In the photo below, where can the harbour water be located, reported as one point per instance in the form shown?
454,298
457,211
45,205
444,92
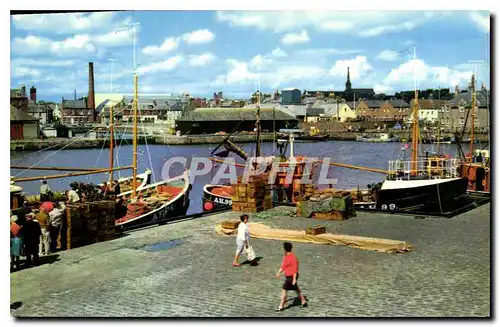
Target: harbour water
374,155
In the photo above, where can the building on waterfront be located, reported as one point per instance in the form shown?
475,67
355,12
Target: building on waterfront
428,111
213,120
77,112
42,110
19,99
291,96
396,110
336,111
23,125
368,110
299,111
83,110
454,114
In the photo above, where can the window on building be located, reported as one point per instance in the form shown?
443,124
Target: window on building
150,106
461,109
462,120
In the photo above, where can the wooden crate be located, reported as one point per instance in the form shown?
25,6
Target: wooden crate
315,230
333,215
231,224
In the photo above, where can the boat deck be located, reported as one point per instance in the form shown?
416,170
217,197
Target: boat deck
184,269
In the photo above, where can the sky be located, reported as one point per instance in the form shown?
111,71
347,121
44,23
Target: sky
202,52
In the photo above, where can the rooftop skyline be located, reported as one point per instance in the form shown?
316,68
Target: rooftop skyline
202,52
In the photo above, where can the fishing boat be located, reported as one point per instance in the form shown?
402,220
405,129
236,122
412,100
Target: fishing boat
475,166
382,137
301,135
156,202
432,184
217,197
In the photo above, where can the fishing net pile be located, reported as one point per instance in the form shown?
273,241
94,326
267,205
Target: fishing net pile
258,230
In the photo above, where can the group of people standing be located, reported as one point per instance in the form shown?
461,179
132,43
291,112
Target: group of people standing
35,234
289,265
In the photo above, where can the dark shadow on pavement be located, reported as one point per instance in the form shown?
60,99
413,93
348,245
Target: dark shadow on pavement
47,259
295,302
15,305
254,262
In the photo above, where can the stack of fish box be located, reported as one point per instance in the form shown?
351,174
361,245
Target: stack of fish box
88,223
254,196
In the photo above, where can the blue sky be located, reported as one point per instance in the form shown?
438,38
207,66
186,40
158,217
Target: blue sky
202,52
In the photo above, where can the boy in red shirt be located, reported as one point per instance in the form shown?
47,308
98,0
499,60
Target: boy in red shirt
290,268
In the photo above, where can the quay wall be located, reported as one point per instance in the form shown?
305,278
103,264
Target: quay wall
67,143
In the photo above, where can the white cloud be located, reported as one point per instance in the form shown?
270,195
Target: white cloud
279,53
273,75
114,38
166,65
362,23
437,75
482,21
201,60
198,37
357,67
170,44
63,23
78,45
408,26
294,38
380,88
19,71
42,63
388,55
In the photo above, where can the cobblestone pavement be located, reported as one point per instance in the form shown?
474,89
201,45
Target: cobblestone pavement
447,274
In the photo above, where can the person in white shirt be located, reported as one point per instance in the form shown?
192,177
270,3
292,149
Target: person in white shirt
242,239
73,196
56,217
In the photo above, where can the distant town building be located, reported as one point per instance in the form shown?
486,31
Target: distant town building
18,98
43,111
83,110
23,125
291,96
213,120
368,110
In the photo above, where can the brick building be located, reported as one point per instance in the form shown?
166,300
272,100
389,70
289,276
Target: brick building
83,110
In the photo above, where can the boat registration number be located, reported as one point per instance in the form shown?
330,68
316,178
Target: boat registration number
223,201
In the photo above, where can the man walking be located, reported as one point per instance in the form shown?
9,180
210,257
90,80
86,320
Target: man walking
242,239
31,233
290,268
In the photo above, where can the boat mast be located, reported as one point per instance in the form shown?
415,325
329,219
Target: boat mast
439,121
473,85
414,153
111,144
134,175
257,123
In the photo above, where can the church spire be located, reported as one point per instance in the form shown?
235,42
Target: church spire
348,83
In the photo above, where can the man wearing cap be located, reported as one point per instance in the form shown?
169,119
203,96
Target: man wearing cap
22,212
32,233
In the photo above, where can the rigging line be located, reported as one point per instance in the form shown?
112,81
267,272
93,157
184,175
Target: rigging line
100,153
32,153
149,154
50,155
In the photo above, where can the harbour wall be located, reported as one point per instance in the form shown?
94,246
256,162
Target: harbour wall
86,143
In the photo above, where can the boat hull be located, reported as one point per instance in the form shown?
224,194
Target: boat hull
439,195
214,202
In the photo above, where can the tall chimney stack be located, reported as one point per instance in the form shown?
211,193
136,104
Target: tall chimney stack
91,97
33,94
